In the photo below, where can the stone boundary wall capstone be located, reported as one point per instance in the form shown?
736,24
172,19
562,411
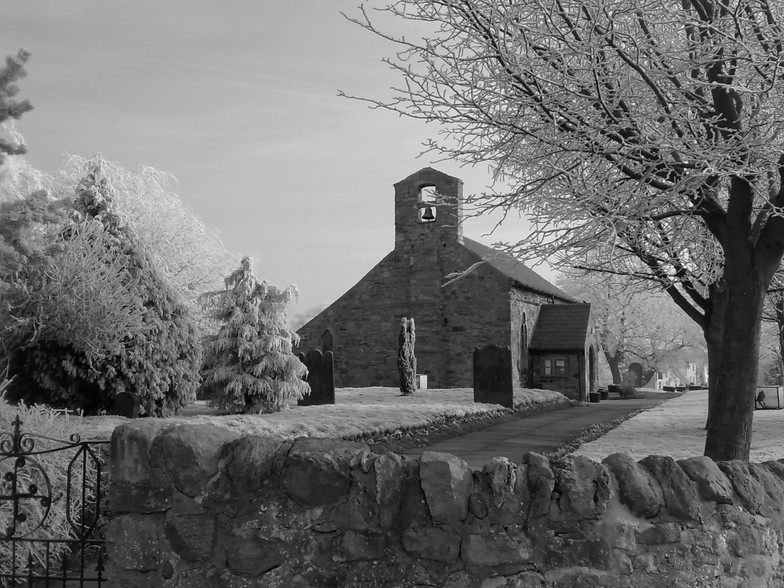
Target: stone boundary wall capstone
198,505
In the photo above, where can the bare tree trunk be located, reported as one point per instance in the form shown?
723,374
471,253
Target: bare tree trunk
614,361
733,363
714,333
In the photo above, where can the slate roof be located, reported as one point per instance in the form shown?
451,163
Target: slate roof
561,327
515,269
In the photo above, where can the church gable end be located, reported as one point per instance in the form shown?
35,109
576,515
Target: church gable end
361,326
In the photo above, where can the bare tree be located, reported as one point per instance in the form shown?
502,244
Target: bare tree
634,324
646,130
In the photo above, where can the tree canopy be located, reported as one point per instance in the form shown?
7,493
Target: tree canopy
644,135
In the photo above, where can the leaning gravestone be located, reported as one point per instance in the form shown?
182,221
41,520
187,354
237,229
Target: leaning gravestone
635,374
321,377
493,375
127,404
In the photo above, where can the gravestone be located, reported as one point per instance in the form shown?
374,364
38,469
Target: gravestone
127,404
321,377
635,374
493,375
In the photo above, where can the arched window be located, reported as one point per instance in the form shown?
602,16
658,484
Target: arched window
327,341
523,359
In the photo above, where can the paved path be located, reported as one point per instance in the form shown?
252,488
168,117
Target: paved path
540,433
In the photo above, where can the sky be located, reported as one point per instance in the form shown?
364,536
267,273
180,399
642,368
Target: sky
239,101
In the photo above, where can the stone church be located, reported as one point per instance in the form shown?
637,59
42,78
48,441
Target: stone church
496,300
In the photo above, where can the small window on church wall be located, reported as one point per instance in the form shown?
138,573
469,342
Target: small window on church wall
554,366
523,367
426,203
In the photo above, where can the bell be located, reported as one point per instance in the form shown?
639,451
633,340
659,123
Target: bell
428,214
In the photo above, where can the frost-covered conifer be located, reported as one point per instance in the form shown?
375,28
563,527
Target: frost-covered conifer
406,358
9,108
249,365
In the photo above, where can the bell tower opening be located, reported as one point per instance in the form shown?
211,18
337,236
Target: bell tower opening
426,203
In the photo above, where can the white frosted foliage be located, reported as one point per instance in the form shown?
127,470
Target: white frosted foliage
249,363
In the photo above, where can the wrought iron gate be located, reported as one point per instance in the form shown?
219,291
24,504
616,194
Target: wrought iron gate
50,510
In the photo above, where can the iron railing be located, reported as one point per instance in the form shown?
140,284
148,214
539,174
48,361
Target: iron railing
50,510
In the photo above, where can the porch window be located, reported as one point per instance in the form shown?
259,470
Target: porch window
554,366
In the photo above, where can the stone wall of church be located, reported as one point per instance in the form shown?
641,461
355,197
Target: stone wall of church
524,309
476,313
480,308
364,324
450,320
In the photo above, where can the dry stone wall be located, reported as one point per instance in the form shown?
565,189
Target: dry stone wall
197,505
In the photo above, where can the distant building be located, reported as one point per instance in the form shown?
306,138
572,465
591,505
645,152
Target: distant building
690,374
496,299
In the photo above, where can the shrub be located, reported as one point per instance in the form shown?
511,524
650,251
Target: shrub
249,366
83,353
628,391
406,358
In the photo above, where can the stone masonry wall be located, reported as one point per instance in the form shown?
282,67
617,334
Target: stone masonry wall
450,321
364,323
475,313
524,305
196,505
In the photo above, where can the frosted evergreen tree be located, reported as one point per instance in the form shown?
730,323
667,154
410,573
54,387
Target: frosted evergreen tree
406,358
249,366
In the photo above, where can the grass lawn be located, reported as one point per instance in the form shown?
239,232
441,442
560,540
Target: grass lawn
676,428
357,412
